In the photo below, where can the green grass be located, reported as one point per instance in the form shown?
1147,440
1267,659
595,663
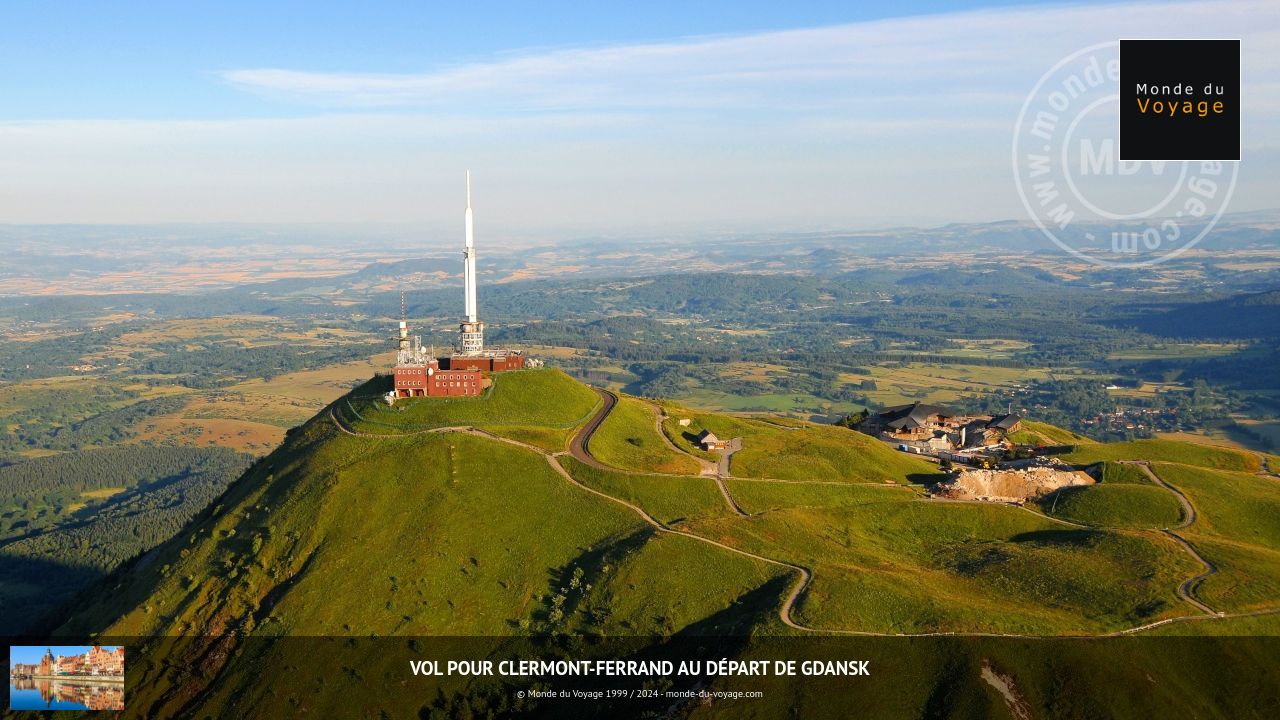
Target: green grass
545,398
1239,507
808,452
885,561
454,534
1116,473
628,439
1237,529
1248,576
757,496
1166,451
1118,505
668,499
1237,627
1034,433
413,560
549,439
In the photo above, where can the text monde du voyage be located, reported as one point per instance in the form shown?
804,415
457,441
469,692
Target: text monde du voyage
639,668
1180,99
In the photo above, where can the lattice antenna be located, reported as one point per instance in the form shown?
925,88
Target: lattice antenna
402,316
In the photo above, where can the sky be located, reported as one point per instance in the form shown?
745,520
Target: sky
31,654
574,118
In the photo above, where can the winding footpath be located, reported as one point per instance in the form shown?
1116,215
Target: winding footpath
1188,586
719,471
579,449
705,467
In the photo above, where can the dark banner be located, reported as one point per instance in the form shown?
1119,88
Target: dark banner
428,677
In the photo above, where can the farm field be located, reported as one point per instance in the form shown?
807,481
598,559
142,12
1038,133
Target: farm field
1176,350
900,383
248,436
797,403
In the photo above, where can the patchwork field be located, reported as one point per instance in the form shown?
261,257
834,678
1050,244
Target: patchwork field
243,435
899,383
801,403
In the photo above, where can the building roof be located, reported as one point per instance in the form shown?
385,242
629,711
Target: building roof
1004,422
706,436
907,417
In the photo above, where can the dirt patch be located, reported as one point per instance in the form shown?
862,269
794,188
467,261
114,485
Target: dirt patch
1003,684
1012,486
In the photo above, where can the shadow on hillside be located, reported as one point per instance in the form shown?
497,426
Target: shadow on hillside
1075,538
570,581
746,613
690,438
926,478
35,590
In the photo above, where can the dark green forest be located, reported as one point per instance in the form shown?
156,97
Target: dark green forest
54,540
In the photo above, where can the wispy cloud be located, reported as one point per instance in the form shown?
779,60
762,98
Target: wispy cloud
954,57
903,119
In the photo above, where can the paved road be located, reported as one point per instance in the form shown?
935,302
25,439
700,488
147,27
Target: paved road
578,445
731,447
803,574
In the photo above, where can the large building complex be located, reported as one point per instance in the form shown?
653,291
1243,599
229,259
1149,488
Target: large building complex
96,662
419,373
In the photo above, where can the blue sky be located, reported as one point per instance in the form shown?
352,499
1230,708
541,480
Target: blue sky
147,60
575,118
29,654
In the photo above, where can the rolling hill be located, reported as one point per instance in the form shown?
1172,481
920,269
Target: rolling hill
544,512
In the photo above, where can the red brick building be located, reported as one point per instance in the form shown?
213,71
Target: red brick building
429,380
490,361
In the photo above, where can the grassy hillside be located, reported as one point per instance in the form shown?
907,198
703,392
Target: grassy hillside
907,565
1037,433
1115,473
1237,529
412,560
803,451
544,398
409,533
1166,451
1118,505
668,499
627,439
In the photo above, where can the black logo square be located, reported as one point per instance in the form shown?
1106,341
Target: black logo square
1179,99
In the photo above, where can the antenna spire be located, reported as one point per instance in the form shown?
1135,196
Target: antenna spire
402,316
468,188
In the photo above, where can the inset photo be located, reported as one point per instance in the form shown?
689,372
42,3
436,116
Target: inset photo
66,677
